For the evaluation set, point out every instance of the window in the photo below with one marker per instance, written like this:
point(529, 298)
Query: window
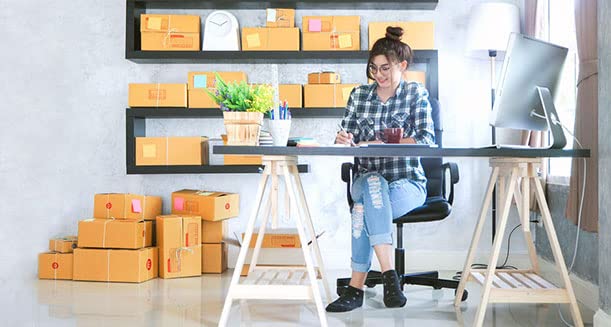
point(562, 32)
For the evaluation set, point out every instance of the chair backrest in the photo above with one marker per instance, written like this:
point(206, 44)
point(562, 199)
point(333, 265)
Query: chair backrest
point(432, 166)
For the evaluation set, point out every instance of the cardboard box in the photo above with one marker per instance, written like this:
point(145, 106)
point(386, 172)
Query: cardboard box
point(170, 32)
point(115, 234)
point(64, 244)
point(209, 205)
point(171, 151)
point(237, 159)
point(418, 35)
point(214, 258)
point(270, 39)
point(279, 17)
point(157, 95)
point(198, 98)
point(324, 78)
point(55, 265)
point(126, 206)
point(323, 33)
point(411, 76)
point(327, 95)
point(106, 265)
point(277, 238)
point(179, 245)
point(213, 231)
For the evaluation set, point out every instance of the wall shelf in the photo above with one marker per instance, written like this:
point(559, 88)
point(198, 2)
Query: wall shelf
point(211, 169)
point(295, 4)
point(160, 113)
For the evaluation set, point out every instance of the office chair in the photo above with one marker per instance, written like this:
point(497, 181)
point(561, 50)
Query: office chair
point(436, 207)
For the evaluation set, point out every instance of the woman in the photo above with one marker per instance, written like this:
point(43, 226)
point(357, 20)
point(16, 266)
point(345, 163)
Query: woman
point(384, 188)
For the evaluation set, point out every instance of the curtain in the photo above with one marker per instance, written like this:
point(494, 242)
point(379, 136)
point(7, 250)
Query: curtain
point(536, 25)
point(586, 119)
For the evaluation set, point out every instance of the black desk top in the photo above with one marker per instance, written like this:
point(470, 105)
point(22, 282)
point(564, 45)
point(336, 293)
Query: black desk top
point(396, 151)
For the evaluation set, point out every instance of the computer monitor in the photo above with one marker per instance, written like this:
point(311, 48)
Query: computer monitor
point(528, 80)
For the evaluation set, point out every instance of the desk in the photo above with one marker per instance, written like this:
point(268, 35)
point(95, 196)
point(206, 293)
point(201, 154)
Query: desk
point(513, 169)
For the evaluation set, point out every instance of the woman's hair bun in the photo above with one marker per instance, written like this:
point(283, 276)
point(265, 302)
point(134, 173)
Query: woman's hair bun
point(394, 33)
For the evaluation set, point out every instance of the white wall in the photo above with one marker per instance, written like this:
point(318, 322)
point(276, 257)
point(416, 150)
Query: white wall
point(64, 92)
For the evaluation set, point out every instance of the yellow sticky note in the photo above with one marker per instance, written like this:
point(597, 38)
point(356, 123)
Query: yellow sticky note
point(253, 40)
point(149, 151)
point(346, 93)
point(154, 23)
point(345, 41)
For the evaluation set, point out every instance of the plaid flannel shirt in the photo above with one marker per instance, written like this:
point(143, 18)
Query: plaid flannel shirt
point(409, 108)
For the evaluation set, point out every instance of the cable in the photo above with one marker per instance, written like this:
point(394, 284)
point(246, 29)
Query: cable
point(583, 193)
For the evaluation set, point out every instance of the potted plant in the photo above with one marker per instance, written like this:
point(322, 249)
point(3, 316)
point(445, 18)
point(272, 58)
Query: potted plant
point(243, 106)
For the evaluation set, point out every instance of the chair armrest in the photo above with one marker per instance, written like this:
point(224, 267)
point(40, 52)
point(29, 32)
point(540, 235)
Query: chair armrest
point(454, 178)
point(347, 178)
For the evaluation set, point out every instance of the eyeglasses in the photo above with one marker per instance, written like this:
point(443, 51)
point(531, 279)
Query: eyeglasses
point(384, 69)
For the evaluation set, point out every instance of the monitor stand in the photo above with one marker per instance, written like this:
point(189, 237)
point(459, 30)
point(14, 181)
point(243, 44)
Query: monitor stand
point(553, 123)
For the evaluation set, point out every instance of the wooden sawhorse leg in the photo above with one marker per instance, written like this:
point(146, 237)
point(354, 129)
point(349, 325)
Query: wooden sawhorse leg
point(286, 167)
point(516, 286)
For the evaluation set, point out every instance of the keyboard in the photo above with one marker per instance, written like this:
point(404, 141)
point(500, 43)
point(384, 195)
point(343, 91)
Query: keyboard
point(504, 146)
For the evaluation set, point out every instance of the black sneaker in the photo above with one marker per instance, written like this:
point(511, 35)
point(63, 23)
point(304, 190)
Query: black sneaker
point(393, 295)
point(350, 300)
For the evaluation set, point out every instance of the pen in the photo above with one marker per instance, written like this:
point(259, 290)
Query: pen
point(342, 129)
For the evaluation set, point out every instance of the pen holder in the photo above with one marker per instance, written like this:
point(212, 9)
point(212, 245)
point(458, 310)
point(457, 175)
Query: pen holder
point(280, 131)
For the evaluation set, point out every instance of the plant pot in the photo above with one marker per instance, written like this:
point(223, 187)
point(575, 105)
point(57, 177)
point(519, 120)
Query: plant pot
point(242, 127)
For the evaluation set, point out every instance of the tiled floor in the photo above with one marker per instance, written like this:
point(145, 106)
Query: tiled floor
point(198, 302)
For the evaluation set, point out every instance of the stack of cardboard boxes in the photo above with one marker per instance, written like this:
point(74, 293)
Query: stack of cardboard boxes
point(57, 263)
point(117, 244)
point(280, 33)
point(325, 91)
point(213, 208)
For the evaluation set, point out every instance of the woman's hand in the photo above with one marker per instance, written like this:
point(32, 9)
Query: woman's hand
point(344, 138)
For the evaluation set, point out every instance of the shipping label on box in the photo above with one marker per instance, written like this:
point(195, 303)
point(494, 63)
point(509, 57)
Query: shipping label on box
point(418, 35)
point(214, 258)
point(55, 265)
point(270, 39)
point(126, 206)
point(64, 244)
point(327, 95)
point(178, 238)
point(209, 205)
point(213, 231)
point(280, 17)
point(106, 265)
point(157, 95)
point(322, 33)
point(324, 78)
point(115, 234)
point(163, 151)
point(169, 32)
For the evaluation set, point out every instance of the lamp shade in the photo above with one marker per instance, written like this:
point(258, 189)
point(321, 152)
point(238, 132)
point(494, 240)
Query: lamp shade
point(490, 25)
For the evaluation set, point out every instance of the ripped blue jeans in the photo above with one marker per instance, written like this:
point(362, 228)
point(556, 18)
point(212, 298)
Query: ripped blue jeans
point(376, 204)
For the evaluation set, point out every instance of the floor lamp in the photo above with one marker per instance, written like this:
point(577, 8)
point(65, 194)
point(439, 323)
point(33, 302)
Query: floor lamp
point(490, 25)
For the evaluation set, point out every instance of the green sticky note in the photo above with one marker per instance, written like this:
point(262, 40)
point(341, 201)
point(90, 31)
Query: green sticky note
point(200, 81)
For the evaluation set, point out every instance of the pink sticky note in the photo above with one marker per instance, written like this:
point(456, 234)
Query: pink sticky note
point(179, 204)
point(314, 25)
point(136, 207)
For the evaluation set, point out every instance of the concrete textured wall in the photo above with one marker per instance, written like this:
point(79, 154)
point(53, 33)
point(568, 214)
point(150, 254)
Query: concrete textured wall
point(62, 134)
point(586, 261)
point(604, 153)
